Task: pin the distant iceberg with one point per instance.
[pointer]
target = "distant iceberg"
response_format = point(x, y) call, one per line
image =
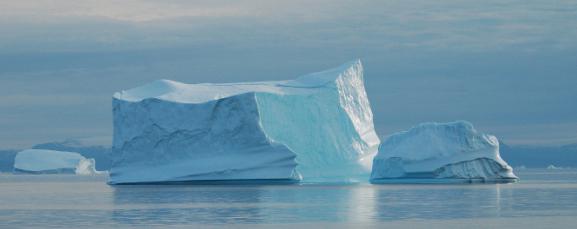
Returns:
point(318, 127)
point(100, 153)
point(440, 152)
point(37, 161)
point(521, 167)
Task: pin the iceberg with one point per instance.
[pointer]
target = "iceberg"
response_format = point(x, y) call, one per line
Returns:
point(318, 127)
point(100, 153)
point(440, 152)
point(37, 161)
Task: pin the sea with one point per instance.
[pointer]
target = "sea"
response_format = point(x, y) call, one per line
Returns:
point(543, 198)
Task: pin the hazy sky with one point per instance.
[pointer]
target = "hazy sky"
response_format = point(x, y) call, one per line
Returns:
point(510, 67)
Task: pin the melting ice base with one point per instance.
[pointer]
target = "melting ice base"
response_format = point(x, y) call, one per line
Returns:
point(440, 152)
point(318, 127)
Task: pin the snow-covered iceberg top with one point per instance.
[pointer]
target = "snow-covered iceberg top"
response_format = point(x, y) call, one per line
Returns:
point(173, 91)
point(317, 127)
point(39, 161)
point(441, 152)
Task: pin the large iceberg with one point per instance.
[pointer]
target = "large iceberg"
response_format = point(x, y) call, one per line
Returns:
point(317, 127)
point(440, 152)
point(38, 161)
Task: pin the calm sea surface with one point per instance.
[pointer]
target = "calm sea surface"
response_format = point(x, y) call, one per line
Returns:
point(542, 199)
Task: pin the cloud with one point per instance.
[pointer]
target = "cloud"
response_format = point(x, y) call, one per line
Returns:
point(95, 25)
point(125, 10)
point(495, 63)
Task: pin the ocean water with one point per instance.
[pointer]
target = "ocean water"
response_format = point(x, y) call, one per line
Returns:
point(542, 199)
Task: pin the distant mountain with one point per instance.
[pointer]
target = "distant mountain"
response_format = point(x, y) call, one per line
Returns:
point(539, 156)
point(515, 155)
point(570, 147)
point(101, 154)
point(7, 160)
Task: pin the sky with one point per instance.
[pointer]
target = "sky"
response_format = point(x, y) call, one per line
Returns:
point(508, 66)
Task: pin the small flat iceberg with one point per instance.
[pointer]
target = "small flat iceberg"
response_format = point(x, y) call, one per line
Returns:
point(440, 153)
point(39, 161)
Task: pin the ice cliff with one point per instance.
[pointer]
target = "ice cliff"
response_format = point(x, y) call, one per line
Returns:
point(440, 152)
point(317, 127)
point(37, 161)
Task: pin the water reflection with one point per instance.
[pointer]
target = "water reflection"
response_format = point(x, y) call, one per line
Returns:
point(184, 204)
point(305, 203)
point(271, 204)
point(438, 202)
point(241, 204)
point(71, 202)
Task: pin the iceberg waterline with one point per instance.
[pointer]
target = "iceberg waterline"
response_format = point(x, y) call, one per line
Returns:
point(317, 127)
point(441, 151)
